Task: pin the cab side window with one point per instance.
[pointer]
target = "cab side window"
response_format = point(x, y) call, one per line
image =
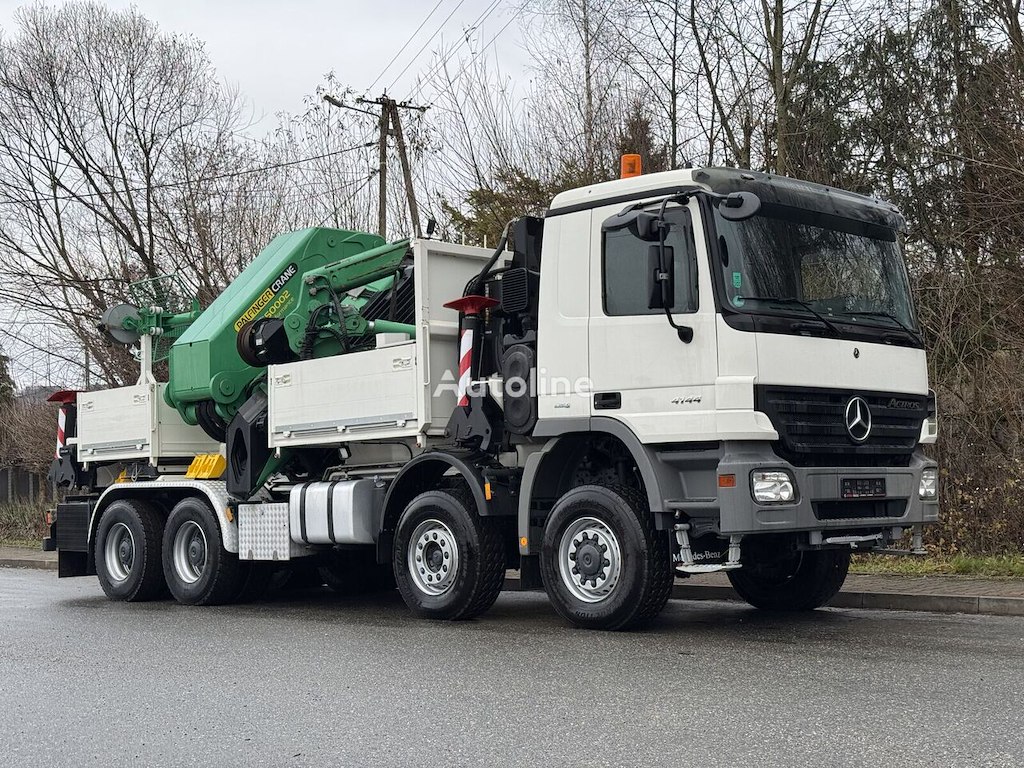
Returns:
point(629, 264)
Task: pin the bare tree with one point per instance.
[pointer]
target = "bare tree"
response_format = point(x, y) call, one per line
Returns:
point(753, 56)
point(117, 163)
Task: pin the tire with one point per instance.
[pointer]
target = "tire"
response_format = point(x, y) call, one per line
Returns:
point(199, 571)
point(302, 573)
point(461, 566)
point(355, 572)
point(127, 552)
point(255, 581)
point(624, 574)
point(797, 581)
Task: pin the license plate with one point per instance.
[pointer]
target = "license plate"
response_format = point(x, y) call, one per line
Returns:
point(863, 487)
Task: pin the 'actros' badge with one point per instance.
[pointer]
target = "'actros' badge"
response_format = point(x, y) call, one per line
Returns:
point(858, 419)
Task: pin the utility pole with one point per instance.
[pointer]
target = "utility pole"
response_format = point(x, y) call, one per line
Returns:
point(382, 174)
point(410, 194)
point(390, 124)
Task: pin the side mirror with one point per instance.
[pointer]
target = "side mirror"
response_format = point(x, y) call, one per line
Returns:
point(641, 224)
point(739, 206)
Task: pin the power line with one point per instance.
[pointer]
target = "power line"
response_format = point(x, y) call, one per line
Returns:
point(488, 45)
point(199, 180)
point(355, 192)
point(428, 42)
point(435, 69)
point(406, 45)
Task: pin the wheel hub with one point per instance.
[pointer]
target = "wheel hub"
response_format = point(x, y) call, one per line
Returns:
point(196, 552)
point(590, 559)
point(189, 552)
point(433, 557)
point(119, 552)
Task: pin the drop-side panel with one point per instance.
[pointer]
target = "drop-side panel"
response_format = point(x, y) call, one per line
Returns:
point(135, 424)
point(369, 395)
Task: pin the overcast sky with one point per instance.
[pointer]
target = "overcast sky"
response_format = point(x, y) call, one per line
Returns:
point(277, 52)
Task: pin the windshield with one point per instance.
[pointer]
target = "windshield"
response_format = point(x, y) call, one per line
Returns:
point(787, 260)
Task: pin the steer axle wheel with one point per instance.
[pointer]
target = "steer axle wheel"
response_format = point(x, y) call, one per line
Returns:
point(127, 551)
point(790, 580)
point(603, 563)
point(199, 571)
point(449, 562)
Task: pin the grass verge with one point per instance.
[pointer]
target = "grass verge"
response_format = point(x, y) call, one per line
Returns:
point(987, 566)
point(22, 525)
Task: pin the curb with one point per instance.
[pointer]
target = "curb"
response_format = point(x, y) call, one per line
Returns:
point(25, 562)
point(882, 601)
point(871, 601)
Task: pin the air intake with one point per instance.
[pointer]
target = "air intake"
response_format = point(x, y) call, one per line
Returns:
point(515, 291)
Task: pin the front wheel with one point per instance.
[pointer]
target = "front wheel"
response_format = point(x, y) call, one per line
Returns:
point(449, 562)
point(790, 580)
point(603, 563)
point(199, 571)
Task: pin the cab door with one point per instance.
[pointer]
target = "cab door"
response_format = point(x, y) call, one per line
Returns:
point(642, 373)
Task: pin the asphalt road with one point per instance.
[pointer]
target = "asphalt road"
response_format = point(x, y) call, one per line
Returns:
point(316, 680)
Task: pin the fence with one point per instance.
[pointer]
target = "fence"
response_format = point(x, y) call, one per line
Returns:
point(19, 485)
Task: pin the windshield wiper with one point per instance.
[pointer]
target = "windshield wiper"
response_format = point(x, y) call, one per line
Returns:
point(887, 315)
point(789, 300)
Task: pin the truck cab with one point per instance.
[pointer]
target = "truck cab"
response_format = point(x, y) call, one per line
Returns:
point(667, 374)
point(802, 357)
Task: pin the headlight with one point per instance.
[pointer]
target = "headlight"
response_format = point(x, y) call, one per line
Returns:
point(772, 487)
point(929, 490)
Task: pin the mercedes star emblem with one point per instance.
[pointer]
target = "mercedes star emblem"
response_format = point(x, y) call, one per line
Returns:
point(858, 419)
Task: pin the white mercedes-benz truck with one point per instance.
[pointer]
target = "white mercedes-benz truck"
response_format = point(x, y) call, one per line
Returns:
point(667, 374)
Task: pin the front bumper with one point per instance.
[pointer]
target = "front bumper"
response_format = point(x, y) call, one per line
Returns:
point(820, 505)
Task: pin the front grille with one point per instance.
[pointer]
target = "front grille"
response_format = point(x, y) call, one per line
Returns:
point(812, 426)
point(856, 509)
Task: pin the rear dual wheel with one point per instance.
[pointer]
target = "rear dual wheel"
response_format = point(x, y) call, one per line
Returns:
point(198, 569)
point(128, 552)
point(139, 557)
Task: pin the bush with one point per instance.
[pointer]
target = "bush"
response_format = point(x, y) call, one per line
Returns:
point(22, 524)
point(973, 326)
